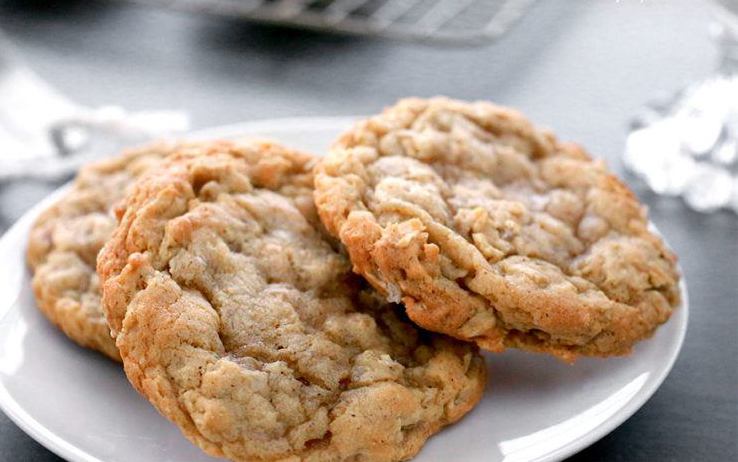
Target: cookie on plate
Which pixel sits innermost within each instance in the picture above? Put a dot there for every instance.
(493, 231)
(238, 319)
(65, 240)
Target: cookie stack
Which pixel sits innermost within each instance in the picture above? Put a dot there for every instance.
(275, 305)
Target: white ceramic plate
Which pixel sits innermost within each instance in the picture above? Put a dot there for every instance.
(79, 405)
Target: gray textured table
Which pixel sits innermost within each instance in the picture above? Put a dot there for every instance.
(581, 68)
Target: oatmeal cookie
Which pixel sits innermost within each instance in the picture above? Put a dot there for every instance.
(237, 318)
(64, 242)
(493, 231)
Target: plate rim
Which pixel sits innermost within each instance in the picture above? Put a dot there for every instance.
(644, 395)
(47, 438)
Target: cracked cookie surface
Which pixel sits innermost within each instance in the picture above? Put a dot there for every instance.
(491, 230)
(237, 318)
(66, 237)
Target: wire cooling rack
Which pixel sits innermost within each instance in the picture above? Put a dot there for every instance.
(438, 21)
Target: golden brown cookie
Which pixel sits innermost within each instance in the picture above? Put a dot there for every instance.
(241, 323)
(64, 242)
(491, 230)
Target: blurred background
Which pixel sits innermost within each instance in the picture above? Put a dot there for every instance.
(593, 71)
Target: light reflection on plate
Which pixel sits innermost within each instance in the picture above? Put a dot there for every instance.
(79, 404)
(542, 442)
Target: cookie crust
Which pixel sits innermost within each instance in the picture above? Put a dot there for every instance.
(493, 231)
(65, 239)
(241, 323)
